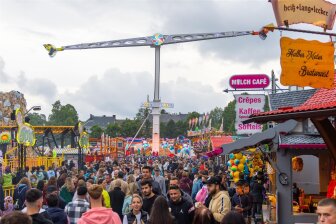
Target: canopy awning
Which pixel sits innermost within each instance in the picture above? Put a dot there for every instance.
(271, 134)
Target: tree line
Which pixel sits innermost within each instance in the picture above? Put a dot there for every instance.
(67, 115)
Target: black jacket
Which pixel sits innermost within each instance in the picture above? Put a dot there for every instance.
(40, 219)
(2, 199)
(117, 200)
(57, 215)
(242, 201)
(182, 211)
(131, 217)
(257, 191)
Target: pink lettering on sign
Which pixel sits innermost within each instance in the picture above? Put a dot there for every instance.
(257, 81)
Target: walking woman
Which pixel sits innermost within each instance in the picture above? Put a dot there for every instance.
(160, 212)
(68, 190)
(136, 215)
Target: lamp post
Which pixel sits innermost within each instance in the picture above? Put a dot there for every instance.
(34, 108)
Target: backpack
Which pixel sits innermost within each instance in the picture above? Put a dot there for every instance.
(20, 196)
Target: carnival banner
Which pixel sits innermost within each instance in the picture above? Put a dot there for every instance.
(245, 106)
(307, 63)
(317, 12)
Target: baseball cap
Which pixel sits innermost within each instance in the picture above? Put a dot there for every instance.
(214, 180)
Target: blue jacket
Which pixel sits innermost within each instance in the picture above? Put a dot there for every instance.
(196, 188)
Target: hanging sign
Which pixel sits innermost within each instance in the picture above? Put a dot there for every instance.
(245, 106)
(317, 12)
(307, 63)
(25, 134)
(257, 81)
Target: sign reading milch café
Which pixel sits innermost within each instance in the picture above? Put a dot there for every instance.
(307, 63)
(317, 12)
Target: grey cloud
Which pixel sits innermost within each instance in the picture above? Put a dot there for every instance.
(38, 87)
(222, 16)
(3, 76)
(122, 93)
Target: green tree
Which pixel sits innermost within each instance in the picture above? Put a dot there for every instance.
(181, 128)
(113, 130)
(216, 116)
(146, 131)
(193, 114)
(96, 131)
(63, 115)
(129, 128)
(37, 119)
(230, 117)
(170, 129)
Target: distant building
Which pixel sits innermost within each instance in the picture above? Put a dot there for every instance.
(165, 118)
(101, 121)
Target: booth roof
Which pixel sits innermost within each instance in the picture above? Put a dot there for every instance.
(323, 100)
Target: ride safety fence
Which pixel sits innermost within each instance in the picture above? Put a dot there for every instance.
(45, 161)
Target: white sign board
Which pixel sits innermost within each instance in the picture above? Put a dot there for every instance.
(245, 106)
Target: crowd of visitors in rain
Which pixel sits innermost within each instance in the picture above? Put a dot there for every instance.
(145, 190)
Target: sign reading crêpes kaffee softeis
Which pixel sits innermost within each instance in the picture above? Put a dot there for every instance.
(307, 63)
(245, 106)
(317, 12)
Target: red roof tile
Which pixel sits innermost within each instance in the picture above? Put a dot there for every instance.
(218, 141)
(322, 99)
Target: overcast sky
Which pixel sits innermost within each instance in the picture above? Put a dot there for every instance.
(116, 81)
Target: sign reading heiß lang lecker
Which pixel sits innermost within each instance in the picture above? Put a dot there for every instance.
(245, 106)
(307, 63)
(317, 12)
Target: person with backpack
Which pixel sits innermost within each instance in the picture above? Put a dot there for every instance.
(20, 193)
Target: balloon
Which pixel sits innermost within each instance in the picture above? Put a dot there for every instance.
(232, 162)
(234, 168)
(229, 163)
(256, 168)
(241, 167)
(237, 161)
(232, 156)
(231, 174)
(243, 160)
(235, 180)
(251, 171)
(236, 174)
(252, 149)
(239, 156)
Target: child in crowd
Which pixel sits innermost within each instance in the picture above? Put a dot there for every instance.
(246, 189)
(8, 205)
(240, 201)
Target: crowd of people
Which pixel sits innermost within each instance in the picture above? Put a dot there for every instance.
(144, 191)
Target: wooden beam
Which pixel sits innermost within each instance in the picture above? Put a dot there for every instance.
(328, 133)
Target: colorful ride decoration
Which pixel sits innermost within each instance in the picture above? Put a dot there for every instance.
(247, 164)
(5, 137)
(157, 39)
(297, 164)
(84, 137)
(25, 134)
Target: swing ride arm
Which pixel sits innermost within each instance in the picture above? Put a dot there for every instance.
(152, 41)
